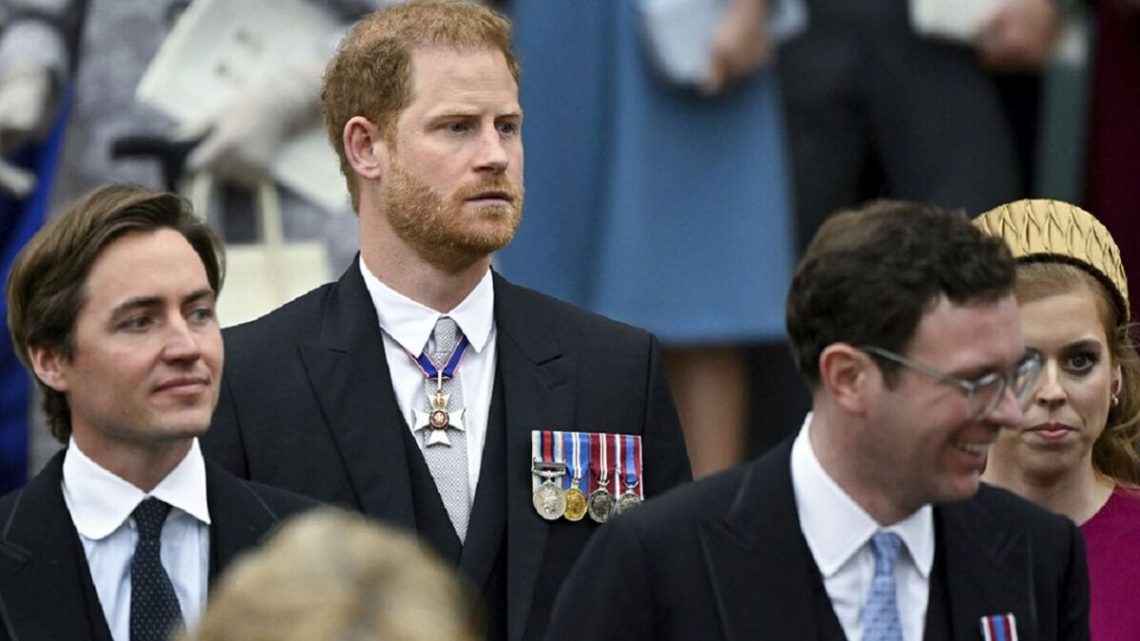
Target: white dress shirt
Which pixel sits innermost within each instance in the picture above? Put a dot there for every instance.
(101, 504)
(407, 326)
(838, 533)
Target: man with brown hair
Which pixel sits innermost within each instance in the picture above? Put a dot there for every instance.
(409, 389)
(871, 523)
(111, 305)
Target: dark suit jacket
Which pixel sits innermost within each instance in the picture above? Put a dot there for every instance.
(725, 559)
(46, 591)
(307, 404)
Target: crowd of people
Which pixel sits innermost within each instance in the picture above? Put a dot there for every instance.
(444, 441)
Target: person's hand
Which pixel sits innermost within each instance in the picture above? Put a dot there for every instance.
(26, 94)
(1020, 36)
(739, 46)
(243, 139)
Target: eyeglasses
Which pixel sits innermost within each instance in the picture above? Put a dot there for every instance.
(983, 394)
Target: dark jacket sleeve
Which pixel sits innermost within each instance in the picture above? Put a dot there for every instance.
(223, 443)
(608, 596)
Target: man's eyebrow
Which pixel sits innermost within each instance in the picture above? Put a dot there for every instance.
(143, 302)
(460, 111)
(138, 302)
(198, 295)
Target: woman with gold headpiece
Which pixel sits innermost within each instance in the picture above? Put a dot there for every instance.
(1076, 451)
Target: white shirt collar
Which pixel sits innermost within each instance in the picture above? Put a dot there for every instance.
(101, 502)
(410, 323)
(836, 527)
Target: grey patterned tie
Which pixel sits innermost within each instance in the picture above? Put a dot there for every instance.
(448, 463)
(154, 606)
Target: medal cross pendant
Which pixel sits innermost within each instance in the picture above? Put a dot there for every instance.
(438, 419)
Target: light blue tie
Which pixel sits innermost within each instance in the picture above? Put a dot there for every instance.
(881, 615)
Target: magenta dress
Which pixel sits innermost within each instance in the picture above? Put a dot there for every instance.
(1112, 539)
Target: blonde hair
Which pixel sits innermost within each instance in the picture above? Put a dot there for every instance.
(330, 575)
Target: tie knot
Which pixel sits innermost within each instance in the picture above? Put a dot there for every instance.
(886, 547)
(445, 334)
(149, 517)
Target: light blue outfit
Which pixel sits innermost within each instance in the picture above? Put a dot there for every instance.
(647, 203)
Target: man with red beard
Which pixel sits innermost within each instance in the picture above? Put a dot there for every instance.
(416, 387)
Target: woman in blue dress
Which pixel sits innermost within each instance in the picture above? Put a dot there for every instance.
(661, 206)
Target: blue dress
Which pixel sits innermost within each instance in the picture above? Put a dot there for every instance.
(644, 202)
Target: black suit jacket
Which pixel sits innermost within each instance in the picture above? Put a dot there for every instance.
(725, 559)
(307, 404)
(46, 591)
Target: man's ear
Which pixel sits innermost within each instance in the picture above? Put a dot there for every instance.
(48, 366)
(846, 373)
(365, 148)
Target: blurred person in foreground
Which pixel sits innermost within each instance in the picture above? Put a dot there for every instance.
(871, 523)
(329, 395)
(335, 576)
(111, 305)
(1075, 451)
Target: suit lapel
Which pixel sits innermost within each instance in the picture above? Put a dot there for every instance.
(488, 512)
(239, 520)
(350, 378)
(988, 569)
(765, 582)
(40, 554)
(538, 393)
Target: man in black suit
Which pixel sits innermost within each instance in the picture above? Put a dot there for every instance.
(112, 307)
(327, 396)
(870, 524)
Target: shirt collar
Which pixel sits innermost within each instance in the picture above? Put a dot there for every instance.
(100, 502)
(836, 527)
(410, 323)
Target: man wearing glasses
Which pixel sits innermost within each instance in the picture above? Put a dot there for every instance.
(871, 523)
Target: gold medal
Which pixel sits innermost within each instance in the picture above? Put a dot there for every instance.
(575, 504)
(550, 501)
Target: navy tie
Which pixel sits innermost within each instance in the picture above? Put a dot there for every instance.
(881, 616)
(154, 606)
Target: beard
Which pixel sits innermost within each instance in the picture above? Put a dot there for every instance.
(439, 230)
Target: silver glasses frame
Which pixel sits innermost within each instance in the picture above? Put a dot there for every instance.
(1029, 367)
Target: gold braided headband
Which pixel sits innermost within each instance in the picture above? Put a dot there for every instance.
(1051, 229)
